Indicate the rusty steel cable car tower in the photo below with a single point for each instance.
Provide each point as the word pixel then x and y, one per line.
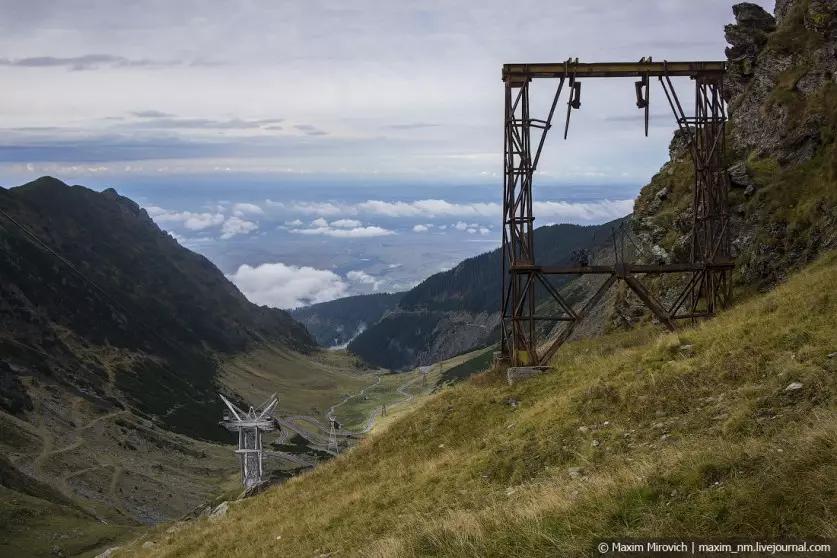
pixel 709 270
pixel 250 426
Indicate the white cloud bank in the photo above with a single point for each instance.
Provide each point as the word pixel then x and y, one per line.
pixel 242 209
pixel 235 225
pixel 359 232
pixel 230 226
pixel 192 221
pixel 347 224
pixel 288 286
pixel 568 211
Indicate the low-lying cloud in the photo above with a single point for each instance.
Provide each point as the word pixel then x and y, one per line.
pixel 242 209
pixel 236 225
pixel 433 209
pixel 288 286
pixel 192 221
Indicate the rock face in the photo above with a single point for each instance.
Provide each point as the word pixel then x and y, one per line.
pixel 219 511
pixel 781 90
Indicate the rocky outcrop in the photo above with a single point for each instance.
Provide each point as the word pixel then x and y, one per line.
pixel 773 70
pixel 781 88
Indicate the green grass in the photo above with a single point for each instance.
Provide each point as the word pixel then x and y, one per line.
pixel 305 384
pixel 699 441
pixel 354 413
pixel 481 362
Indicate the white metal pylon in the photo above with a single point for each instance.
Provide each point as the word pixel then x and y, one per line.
pixel 332 439
pixel 250 426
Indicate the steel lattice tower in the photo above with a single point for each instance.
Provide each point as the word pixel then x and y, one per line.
pixel 250 426
pixel 333 447
pixel 709 287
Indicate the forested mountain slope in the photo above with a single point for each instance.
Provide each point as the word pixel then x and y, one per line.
pixel 458 310
pixel 337 322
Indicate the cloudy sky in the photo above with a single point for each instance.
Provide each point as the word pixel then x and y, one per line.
pixel 353 87
pixel 314 149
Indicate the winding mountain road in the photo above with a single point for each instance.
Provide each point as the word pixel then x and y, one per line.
pixel 288 422
pixel 330 414
pixel 368 426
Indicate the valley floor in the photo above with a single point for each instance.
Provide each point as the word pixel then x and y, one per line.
pixel 726 429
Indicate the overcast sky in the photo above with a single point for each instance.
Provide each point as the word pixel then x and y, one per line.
pixel 352 87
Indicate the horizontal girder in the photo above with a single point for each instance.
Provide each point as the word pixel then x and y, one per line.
pixel 519 73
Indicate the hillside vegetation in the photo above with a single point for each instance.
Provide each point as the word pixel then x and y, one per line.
pixel 726 429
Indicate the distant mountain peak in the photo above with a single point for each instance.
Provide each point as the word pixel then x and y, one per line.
pixel 44 182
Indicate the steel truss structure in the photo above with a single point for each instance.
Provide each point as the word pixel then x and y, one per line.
pixel 250 426
pixel 709 270
pixel 333 447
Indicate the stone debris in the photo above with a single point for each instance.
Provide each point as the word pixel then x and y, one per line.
pixel 108 553
pixel 148 544
pixel 179 526
pixel 516 374
pixel 583 429
pixel 219 511
pixel 722 416
pixel 794 386
pixel 575 472
pixel 257 488
pixel 594 443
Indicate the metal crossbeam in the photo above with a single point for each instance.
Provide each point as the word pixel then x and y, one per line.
pixel 521 72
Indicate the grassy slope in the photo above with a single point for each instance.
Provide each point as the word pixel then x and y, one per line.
pixel 306 385
pixel 691 442
pixel 33 526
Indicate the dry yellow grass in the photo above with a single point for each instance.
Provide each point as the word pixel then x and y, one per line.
pixel 691 434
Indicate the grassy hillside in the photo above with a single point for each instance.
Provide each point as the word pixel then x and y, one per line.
pixel 306 385
pixel 727 429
